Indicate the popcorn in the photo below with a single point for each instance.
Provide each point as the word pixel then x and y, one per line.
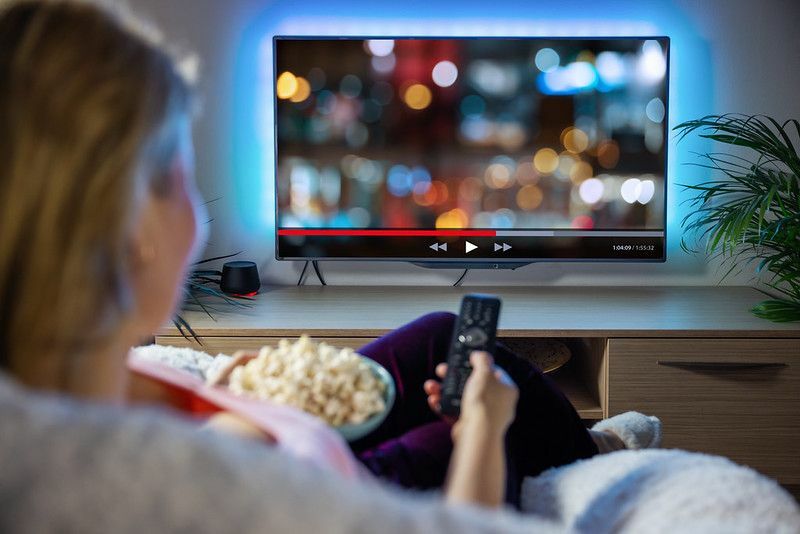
pixel 333 384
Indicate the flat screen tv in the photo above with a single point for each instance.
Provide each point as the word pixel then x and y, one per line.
pixel 471 151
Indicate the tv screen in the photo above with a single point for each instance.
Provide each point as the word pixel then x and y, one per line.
pixel 471 150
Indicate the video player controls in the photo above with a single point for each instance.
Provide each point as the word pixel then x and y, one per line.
pixel 501 246
pixel 439 247
pixel 469 247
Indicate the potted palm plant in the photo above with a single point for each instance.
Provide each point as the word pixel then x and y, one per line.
pixel 749 213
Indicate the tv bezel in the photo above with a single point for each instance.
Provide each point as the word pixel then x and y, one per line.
pixel 477 262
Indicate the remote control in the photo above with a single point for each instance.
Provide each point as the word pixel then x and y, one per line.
pixel 476 329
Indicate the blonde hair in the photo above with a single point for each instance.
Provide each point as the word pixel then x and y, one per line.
pixel 88 113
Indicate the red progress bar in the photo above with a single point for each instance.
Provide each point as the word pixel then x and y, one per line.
pixel 389 233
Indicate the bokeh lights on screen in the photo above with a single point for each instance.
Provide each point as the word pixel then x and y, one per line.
pixel 471 133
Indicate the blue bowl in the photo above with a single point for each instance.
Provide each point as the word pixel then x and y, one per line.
pixel 355 432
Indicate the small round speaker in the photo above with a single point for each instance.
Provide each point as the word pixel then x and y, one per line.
pixel 240 278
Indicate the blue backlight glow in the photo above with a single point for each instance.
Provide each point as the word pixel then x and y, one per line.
pixel 691 87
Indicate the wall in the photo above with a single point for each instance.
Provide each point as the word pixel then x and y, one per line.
pixel 728 56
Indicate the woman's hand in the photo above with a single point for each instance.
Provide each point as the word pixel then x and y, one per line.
pixel 232 425
pixel 477 473
pixel 229 423
pixel 240 357
pixel 489 398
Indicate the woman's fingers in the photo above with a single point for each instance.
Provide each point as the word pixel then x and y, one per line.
pixel 434 401
pixel 434 391
pixel 481 361
pixel 240 357
pixel 441 370
pixel 245 354
pixel 432 387
pixel 502 376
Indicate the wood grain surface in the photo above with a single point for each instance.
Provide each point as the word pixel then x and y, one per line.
pixel 726 397
pixel 527 311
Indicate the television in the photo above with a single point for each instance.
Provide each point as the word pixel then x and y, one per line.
pixel 473 152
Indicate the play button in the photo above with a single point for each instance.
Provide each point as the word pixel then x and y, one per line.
pixel 469 247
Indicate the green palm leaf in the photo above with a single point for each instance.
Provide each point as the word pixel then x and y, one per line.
pixel 750 215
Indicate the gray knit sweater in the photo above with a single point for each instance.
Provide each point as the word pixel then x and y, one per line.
pixel 67 466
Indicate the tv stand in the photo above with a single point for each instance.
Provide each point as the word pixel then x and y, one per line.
pixel 721 380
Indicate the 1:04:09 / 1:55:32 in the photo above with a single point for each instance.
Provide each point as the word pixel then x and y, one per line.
pixel 648 248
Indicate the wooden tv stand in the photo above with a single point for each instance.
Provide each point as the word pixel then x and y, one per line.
pixel 721 380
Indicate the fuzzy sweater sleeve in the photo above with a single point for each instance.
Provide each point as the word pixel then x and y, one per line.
pixel 76 467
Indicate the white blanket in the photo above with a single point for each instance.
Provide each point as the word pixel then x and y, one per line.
pixel 661 491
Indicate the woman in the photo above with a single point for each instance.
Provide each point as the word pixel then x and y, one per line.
pixel 98 223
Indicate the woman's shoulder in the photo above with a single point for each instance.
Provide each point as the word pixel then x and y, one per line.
pixel 84 467
pixel 80 466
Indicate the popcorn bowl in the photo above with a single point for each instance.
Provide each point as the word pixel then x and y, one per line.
pixel 354 432
pixel 349 431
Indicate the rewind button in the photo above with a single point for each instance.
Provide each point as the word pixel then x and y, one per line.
pixel 439 247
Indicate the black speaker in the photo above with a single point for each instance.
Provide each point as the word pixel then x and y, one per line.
pixel 240 278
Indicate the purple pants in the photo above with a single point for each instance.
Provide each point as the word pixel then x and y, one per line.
pixel 412 447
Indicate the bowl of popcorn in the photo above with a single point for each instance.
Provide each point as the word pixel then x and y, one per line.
pixel 350 392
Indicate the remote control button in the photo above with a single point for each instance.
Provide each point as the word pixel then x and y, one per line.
pixel 473 337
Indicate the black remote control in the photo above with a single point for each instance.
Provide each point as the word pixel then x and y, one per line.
pixel 476 329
